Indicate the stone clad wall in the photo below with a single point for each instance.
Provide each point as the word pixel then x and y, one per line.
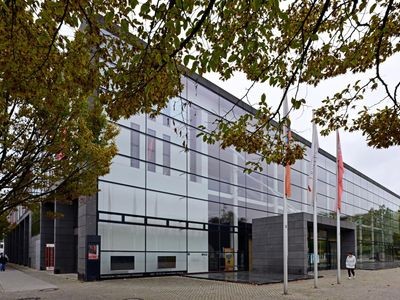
pixel 46 231
pixel 87 225
pixel 268 242
pixel 65 248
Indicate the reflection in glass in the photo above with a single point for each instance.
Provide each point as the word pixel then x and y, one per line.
pixel 151 150
pixel 166 154
pixel 135 145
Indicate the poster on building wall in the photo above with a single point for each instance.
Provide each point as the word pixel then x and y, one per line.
pixel 229 259
pixel 93 252
pixel 49 257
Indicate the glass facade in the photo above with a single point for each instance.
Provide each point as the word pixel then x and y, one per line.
pixel 174 203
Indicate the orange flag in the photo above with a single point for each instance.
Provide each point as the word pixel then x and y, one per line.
pixel 288 134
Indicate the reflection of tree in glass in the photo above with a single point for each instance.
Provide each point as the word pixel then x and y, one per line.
pixel 227 217
pixel 380 230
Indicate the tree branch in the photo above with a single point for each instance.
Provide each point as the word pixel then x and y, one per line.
pixel 299 65
pixel 378 49
pixel 53 40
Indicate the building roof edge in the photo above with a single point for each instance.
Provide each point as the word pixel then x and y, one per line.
pixel 233 99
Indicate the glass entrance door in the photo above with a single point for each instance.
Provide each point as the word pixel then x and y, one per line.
pixel 324 254
pixel 326 250
pixel 332 255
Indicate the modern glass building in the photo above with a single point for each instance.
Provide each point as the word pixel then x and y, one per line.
pixel 172 203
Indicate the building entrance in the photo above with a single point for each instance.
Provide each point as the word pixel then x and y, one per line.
pixel 326 249
pixel 268 243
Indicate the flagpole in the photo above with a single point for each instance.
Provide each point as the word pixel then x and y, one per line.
pixel 285 239
pixel 314 198
pixel 338 244
pixel 285 217
pixel 337 209
pixel 315 237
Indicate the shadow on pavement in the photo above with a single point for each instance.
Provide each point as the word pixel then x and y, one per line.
pixel 249 277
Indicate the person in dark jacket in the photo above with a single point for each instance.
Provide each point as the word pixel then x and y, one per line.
pixel 3 262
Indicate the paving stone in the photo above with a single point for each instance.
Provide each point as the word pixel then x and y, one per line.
pixel 380 284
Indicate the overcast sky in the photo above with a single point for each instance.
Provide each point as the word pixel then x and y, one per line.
pixel 379 164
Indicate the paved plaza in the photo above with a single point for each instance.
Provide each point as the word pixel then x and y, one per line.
pixel 25 283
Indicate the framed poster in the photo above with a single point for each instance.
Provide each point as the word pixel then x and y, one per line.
pixel 93 251
pixel 229 259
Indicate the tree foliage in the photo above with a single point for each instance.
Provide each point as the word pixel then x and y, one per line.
pixel 54 142
pixel 288 43
pixel 66 67
pixel 281 44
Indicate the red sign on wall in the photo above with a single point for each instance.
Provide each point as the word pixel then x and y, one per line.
pixel 49 257
pixel 93 252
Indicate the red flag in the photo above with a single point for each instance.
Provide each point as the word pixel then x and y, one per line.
pixel 340 171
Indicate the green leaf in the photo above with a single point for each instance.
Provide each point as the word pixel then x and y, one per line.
pixel 124 26
pixel 109 17
pixel 187 58
pixel 314 37
pixel 372 8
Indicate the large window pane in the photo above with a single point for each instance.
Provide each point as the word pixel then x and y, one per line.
pixel 121 237
pixel 166 206
pixel 122 172
pixel 197 210
pixel 165 239
pixel 203 97
pixel 131 142
pixel 255 214
pixel 198 240
pixel 121 199
pixel 138 119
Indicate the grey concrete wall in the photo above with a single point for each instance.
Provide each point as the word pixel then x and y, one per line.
pixel 10 242
pixel 87 225
pixel 298 246
pixel 268 242
pixel 64 251
pixel 20 245
pixel 46 231
pixel 26 237
pixel 17 242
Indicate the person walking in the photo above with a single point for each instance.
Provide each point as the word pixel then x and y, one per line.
pixel 351 264
pixel 3 262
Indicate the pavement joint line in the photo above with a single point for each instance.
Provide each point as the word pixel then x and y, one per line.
pixel 48 289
